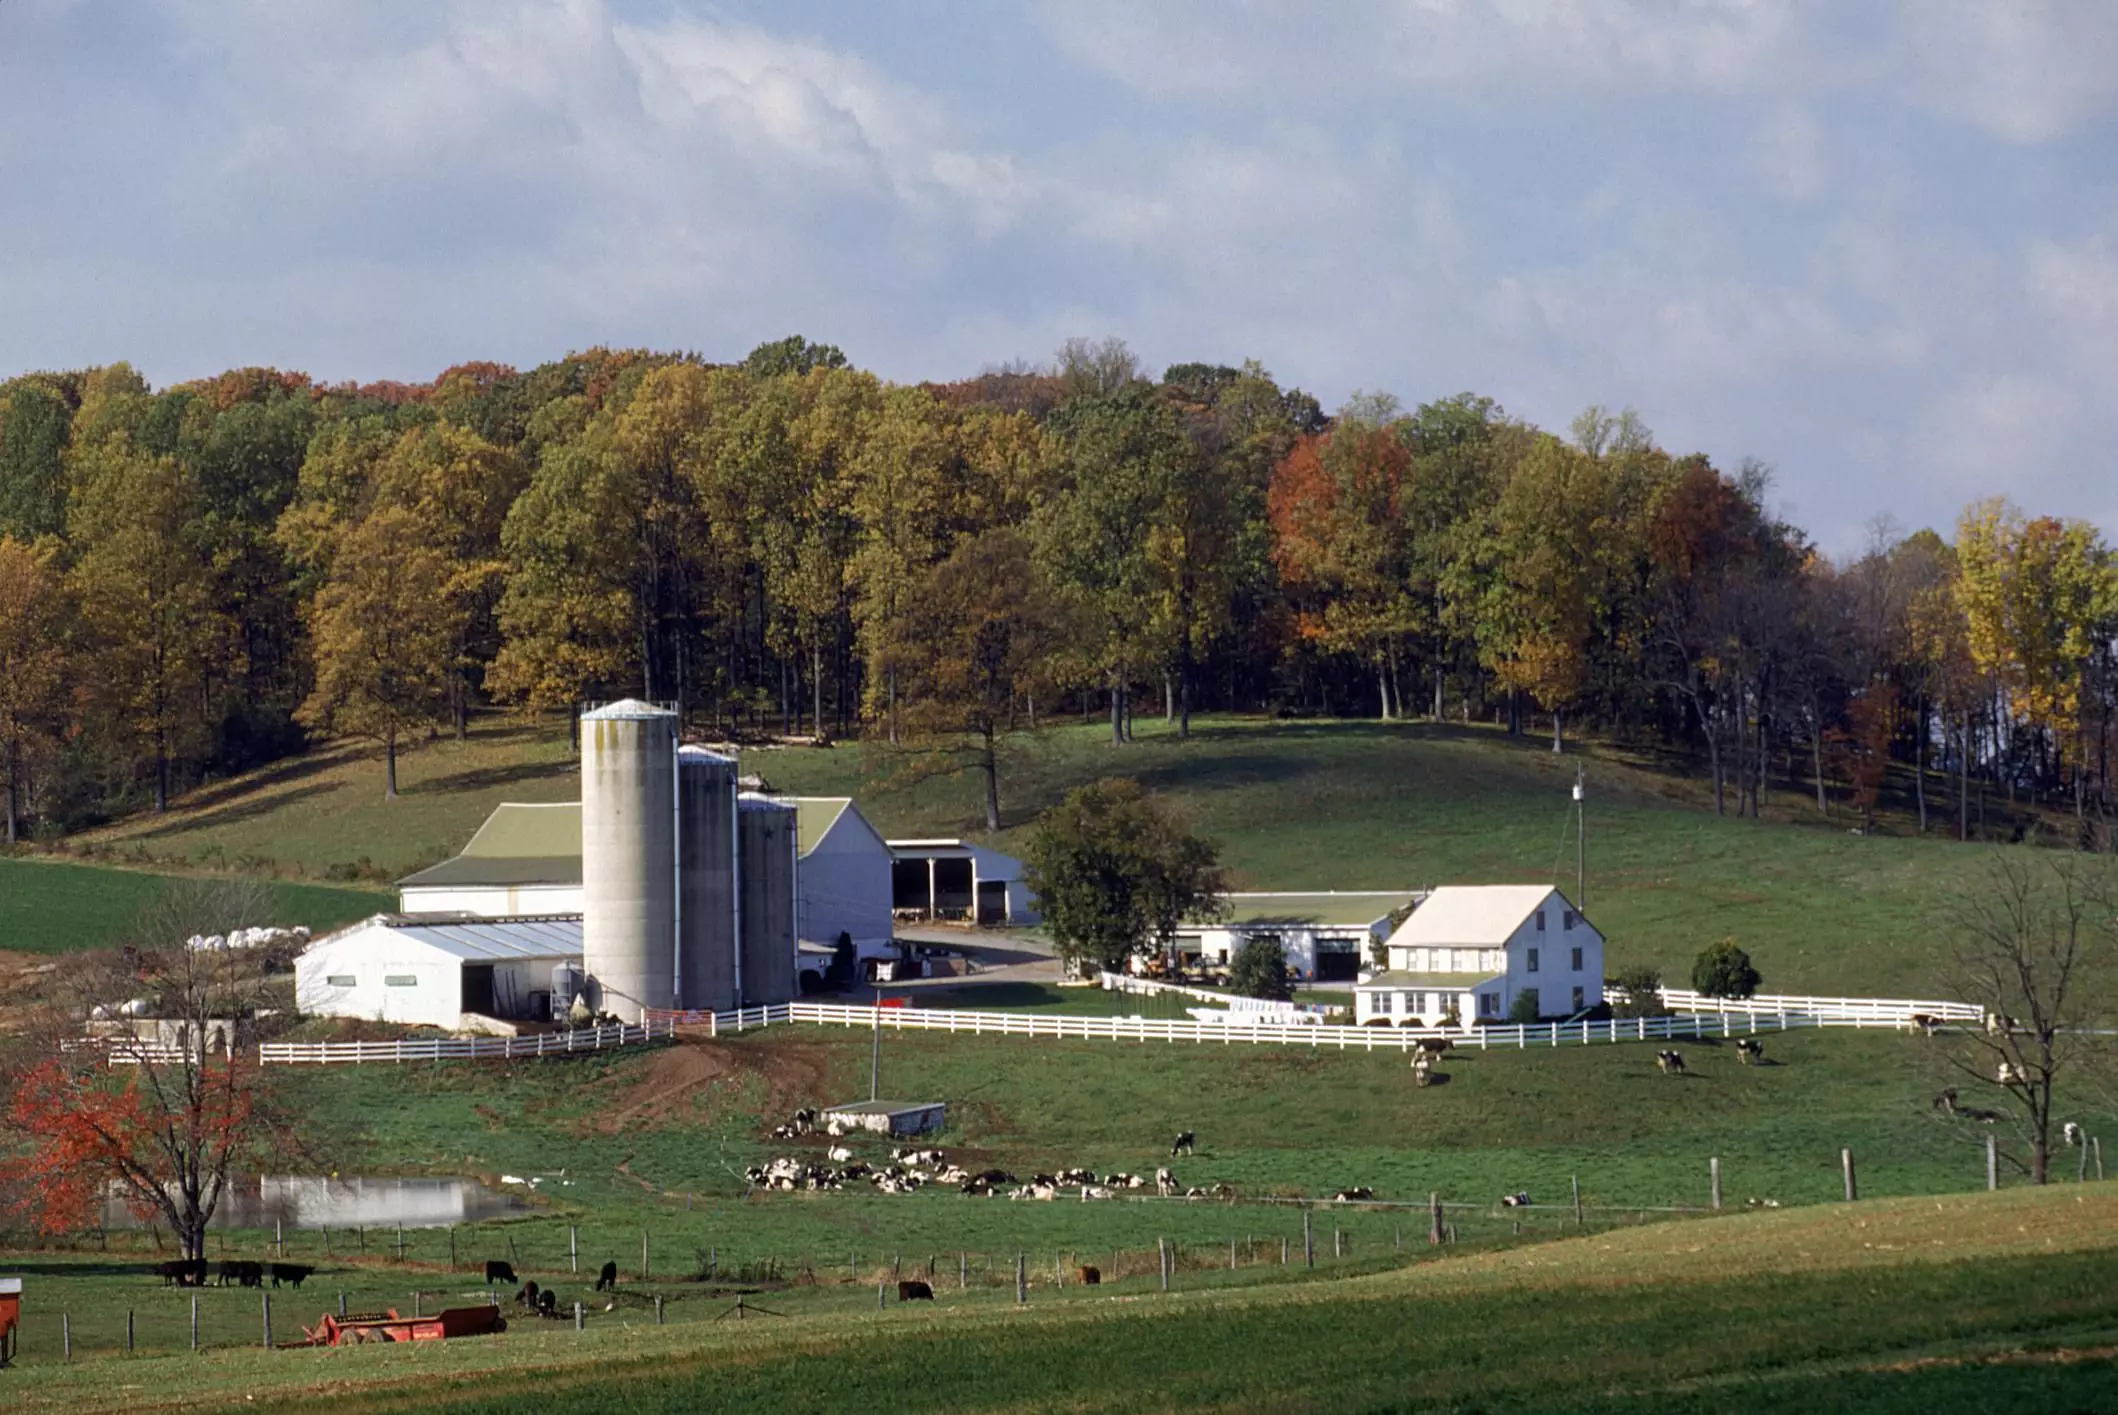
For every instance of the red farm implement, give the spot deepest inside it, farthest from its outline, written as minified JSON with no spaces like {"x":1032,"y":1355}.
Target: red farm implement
{"x":388,"y":1326}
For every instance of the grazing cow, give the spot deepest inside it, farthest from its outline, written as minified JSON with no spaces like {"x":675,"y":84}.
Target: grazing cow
{"x":1520,"y":1199}
{"x":1088,"y":1276}
{"x":548,"y":1303}
{"x":244,"y":1272}
{"x":1945,"y":1100}
{"x":838,"y":1154}
{"x":2007,"y":1074}
{"x":1165,"y":1182}
{"x":1422,"y":1069}
{"x":607,"y":1280}
{"x":182,"y":1272}
{"x":2071,"y":1133}
{"x":1077,"y":1176}
{"x":1182,"y":1144}
{"x":1749,"y":1050}
{"x":498,"y":1271}
{"x":231,"y":1270}
{"x":1358,"y":1194}
{"x":1754,"y":1202}
{"x":1925,"y":1023}
{"x":292,"y":1274}
{"x":1433,"y":1048}
{"x":1095,"y":1191}
{"x":911,"y":1289}
{"x":527,"y":1296}
{"x":1671,"y":1062}
{"x":994,"y":1176}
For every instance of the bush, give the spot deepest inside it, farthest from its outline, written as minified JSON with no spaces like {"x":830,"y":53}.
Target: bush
{"x":1724,"y":970}
{"x":1643,"y":992}
{"x":1525,"y":1007}
{"x":1259,"y":970}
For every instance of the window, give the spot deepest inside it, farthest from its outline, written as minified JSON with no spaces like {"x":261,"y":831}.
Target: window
{"x":1533,"y":961}
{"x":1577,"y":960}
{"x":1382,"y":1002}
{"x":342,"y":980}
{"x":1578,"y":996}
{"x":1540,"y":921}
{"x":400,"y":980}
{"x":1568,"y":921}
{"x":1489,"y":1004}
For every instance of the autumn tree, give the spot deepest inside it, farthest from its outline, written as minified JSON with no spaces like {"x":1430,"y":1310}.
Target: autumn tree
{"x":1115,"y":872}
{"x":33,"y":664}
{"x":188,"y":1109}
{"x":385,"y":629}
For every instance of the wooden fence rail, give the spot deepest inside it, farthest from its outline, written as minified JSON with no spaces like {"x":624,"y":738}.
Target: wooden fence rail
{"x":465,"y":1048}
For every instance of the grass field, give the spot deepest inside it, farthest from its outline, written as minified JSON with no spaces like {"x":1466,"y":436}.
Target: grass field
{"x":53,"y":907}
{"x":1294,"y":805}
{"x":1987,"y":1302}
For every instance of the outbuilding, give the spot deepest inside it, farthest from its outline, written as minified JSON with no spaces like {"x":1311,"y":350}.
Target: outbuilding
{"x":525,"y":859}
{"x":447,"y":971}
{"x":842,"y":879}
{"x":1326,"y":935}
{"x":1470,"y":951}
{"x":957,"y":880}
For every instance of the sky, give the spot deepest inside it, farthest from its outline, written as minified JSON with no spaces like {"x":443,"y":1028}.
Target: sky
{"x":1872,"y":244}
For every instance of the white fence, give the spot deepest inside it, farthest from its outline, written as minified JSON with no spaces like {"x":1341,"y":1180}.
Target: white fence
{"x":1837,"y":1009}
{"x":465,"y":1048}
{"x":1122,"y":982}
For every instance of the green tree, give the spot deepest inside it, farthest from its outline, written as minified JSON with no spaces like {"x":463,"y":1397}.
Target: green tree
{"x":1724,"y":970}
{"x":36,"y":420}
{"x":1259,"y":969}
{"x":33,"y":663}
{"x":1115,"y":872}
{"x":1642,"y":985}
{"x":385,"y":629}
{"x":1526,"y":1008}
{"x":793,"y":354}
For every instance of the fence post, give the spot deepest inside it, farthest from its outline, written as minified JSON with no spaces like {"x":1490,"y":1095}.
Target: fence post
{"x":2096,"y":1143}
{"x":400,"y":1242}
{"x":452,"y":1246}
{"x":66,"y":1335}
{"x":1434,"y":1233}
{"x":265,"y":1299}
{"x":1022,"y":1281}
{"x":1338,"y":1243}
{"x":341,"y":1306}
{"x":880,"y":1286}
{"x":1283,"y":1250}
{"x":128,"y":1331}
{"x":573,"y":1246}
{"x":1231,"y":1255}
{"x":1993,"y":1162}
{"x":1162,"y":1256}
{"x":963,"y":1271}
{"x":1577,"y":1200}
{"x":279,"y":1238}
{"x":580,"y":1318}
{"x":417,"y":1295}
{"x":658,"y":1309}
{"x":194,"y":1321}
{"x":1308,"y":1241}
{"x":1713,"y":1167}
{"x":643,"y":1255}
{"x":1846,"y":1164}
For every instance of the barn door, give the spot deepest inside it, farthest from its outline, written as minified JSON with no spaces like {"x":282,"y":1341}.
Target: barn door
{"x":992,"y":903}
{"x":478,"y":988}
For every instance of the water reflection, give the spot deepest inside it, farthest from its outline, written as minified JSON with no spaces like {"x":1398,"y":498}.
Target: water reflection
{"x":305,"y":1201}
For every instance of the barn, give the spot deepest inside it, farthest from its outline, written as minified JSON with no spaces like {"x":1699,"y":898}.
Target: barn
{"x":439,"y":970}
{"x":842,"y":883}
{"x":1327,"y":935}
{"x":957,"y":880}
{"x":1472,"y":950}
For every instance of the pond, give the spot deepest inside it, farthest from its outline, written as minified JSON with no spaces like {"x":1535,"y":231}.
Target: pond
{"x":347,"y":1201}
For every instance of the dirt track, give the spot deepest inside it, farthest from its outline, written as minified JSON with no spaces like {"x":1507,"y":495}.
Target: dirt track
{"x":669,"y":1090}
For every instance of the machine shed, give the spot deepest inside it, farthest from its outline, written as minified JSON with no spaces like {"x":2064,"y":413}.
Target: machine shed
{"x":956,"y":879}
{"x":430,"y":970}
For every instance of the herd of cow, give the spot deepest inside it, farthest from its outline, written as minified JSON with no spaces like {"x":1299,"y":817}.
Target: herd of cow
{"x":239,"y":1272}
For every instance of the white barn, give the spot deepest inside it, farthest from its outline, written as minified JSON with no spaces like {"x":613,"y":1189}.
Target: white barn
{"x":955,"y":879}
{"x":842,"y":877}
{"x":1472,"y":950}
{"x":437,"y":970}
{"x":1326,"y":935}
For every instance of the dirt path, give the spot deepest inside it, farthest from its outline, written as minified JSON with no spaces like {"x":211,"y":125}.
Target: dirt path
{"x":667,"y":1091}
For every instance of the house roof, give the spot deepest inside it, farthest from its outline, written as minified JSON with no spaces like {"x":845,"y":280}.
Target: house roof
{"x":1438,"y":982}
{"x":1475,"y":914}
{"x":1347,"y":909}
{"x":480,"y":940}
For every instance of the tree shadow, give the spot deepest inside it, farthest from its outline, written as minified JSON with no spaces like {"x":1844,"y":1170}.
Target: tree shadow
{"x":481,"y":778}
{"x":228,"y":815}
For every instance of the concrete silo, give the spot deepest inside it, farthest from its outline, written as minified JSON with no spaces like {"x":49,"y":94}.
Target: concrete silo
{"x":767,"y":844}
{"x":629,"y":857}
{"x":706,"y":829}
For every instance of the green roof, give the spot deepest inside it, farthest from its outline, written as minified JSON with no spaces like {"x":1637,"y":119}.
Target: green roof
{"x":518,"y":844}
{"x":1351,"y":909}
{"x":815,"y":815}
{"x":1438,"y":982}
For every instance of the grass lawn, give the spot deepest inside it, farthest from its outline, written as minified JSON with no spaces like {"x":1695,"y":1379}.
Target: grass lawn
{"x":1294,"y":805}
{"x":1986,"y":1301}
{"x":51,"y":907}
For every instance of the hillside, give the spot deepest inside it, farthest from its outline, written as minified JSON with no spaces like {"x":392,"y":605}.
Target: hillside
{"x":1294,"y":805}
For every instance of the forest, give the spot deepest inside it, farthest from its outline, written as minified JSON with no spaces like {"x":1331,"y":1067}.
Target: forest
{"x":202,"y":579}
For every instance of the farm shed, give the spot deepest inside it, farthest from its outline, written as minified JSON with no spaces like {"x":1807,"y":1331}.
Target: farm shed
{"x":843,"y":881}
{"x":954,"y":879}
{"x":1473,"y":949}
{"x":898,"y":1118}
{"x":525,"y":859}
{"x":1326,"y":936}
{"x":431,"y":970}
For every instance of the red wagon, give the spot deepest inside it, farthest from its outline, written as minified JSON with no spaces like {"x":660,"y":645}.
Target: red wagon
{"x":388,"y":1326}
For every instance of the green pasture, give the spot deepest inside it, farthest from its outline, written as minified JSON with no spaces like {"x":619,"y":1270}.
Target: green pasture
{"x":1985,"y":1301}
{"x":53,"y":907}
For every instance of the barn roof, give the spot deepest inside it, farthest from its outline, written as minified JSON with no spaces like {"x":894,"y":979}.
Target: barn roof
{"x":814,"y":817}
{"x":520,"y":843}
{"x":480,"y":940}
{"x":1328,"y":909}
{"x":1476,"y":914}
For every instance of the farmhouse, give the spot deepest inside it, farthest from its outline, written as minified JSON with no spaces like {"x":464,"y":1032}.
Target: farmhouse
{"x":954,"y":879}
{"x":1471,"y":950}
{"x":440,"y":971}
{"x":1327,"y":936}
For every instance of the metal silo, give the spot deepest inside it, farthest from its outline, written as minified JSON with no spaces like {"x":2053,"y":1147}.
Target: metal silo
{"x":628,"y":856}
{"x":767,"y":839}
{"x":706,"y":815}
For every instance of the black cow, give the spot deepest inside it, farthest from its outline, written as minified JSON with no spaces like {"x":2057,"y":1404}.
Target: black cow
{"x":498,"y":1271}
{"x":1182,"y":1144}
{"x":527,"y":1296}
{"x":244,"y":1272}
{"x":1088,"y":1276}
{"x":1358,"y":1194}
{"x":1749,"y":1050}
{"x":913,"y":1290}
{"x":607,"y":1280}
{"x":292,"y":1274}
{"x":548,"y":1304}
{"x":1671,"y":1062}
{"x":182,"y":1272}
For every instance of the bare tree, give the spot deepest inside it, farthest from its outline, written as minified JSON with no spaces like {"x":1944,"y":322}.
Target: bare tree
{"x":134,"y":1080}
{"x":2037,"y":943}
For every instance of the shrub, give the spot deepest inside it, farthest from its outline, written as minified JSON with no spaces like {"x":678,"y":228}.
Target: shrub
{"x":1643,"y":992}
{"x":1525,"y":1007}
{"x":1259,"y":970}
{"x":1724,"y":970}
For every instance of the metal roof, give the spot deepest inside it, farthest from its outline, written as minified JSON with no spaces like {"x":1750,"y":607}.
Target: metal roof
{"x":1348,"y":909}
{"x":1439,"y":982}
{"x":482,"y":940}
{"x":815,"y":815}
{"x":1458,"y":914}
{"x":519,"y":843}
{"x":627,"y":710}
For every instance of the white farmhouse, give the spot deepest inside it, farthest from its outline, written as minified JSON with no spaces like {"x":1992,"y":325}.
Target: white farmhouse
{"x":1326,"y":935}
{"x":1472,"y":950}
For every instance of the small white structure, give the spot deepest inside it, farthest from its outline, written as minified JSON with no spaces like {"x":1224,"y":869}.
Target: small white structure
{"x":437,"y":970}
{"x":1471,"y":950}
{"x":1326,"y":935}
{"x":525,"y":859}
{"x":898,"y":1118}
{"x":842,"y":878}
{"x":955,"y":879}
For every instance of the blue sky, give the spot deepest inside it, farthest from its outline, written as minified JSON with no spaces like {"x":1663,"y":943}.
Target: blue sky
{"x":1874,"y":245}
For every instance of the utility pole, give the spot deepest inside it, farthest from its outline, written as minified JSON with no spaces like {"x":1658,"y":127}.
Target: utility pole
{"x":1580,"y":840}
{"x":875,"y":1055}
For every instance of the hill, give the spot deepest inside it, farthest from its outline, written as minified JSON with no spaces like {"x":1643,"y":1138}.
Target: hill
{"x":1294,"y":805}
{"x":52,"y":907}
